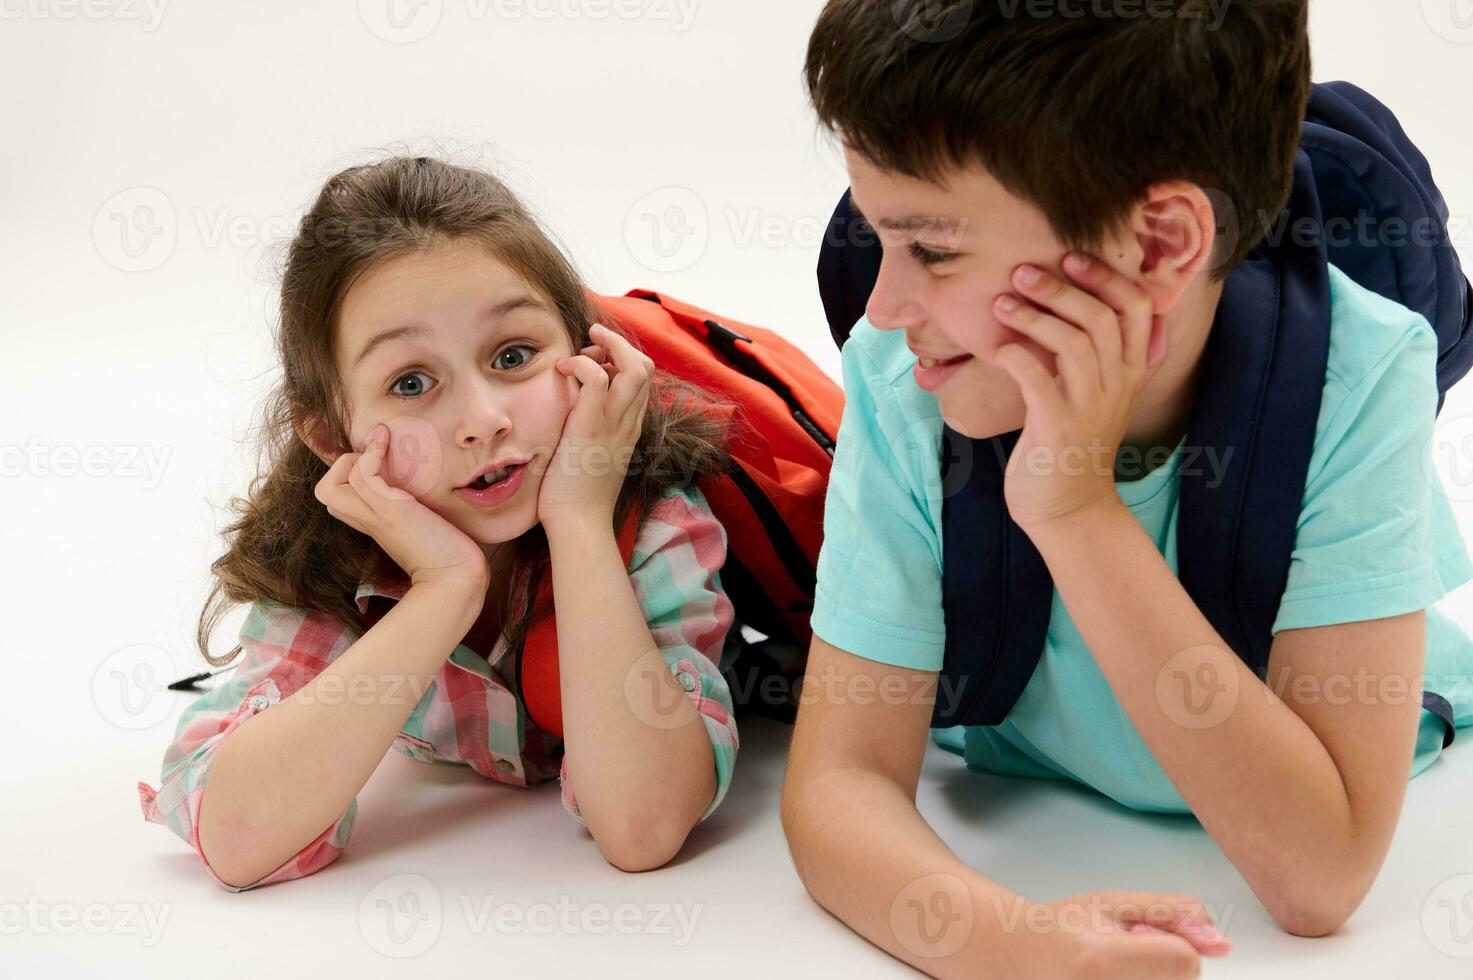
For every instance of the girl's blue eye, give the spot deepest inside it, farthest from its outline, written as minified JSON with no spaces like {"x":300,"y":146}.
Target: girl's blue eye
{"x":531,"y":352}
{"x":408,"y":395}
{"x":928,"y":257}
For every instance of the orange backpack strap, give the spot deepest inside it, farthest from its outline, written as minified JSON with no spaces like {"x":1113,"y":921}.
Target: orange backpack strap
{"x":537,"y":665}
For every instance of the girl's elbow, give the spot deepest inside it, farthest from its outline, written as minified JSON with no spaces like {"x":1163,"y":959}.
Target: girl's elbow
{"x":642,"y":846}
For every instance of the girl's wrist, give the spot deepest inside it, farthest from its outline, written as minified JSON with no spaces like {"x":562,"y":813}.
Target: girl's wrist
{"x":579,"y":530}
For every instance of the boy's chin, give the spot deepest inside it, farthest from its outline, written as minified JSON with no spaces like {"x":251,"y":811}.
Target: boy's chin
{"x":977,"y":418}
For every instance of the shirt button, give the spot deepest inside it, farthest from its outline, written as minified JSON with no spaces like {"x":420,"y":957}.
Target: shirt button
{"x":688,"y":682}
{"x":258,"y":702}
{"x":505,"y":765}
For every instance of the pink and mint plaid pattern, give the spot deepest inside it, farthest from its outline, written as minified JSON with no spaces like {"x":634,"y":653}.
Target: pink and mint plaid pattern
{"x":471,"y":713}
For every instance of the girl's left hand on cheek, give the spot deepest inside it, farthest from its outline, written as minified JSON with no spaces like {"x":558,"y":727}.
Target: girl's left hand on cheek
{"x":1107,"y":340}
{"x":596,"y":448}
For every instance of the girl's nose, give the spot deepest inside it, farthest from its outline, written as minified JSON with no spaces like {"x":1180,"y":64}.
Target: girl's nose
{"x":483,"y":416}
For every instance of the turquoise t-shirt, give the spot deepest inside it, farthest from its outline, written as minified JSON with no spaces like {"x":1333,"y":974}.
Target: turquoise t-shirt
{"x":1376,"y":537}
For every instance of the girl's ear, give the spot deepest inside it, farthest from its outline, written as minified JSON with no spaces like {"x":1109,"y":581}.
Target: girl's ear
{"x":312,"y":432}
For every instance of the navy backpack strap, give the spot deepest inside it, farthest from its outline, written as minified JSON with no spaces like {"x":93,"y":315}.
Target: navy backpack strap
{"x":1367,"y":168}
{"x":1439,"y":706}
{"x":997,"y":601}
{"x":848,"y":265}
{"x":1257,"y":406}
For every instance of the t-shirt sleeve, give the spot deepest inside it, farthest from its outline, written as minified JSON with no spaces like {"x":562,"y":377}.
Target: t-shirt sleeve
{"x":1376,"y":536}
{"x":282,"y":649}
{"x":878,"y":592}
{"x":675,"y":570}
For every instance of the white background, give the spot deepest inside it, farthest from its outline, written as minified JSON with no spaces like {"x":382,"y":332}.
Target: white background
{"x":225,"y":119}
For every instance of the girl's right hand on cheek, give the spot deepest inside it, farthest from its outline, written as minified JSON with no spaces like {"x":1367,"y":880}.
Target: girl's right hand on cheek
{"x":421,"y":542}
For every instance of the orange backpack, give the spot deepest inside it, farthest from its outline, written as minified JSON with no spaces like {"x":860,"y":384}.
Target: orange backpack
{"x":770,"y":501}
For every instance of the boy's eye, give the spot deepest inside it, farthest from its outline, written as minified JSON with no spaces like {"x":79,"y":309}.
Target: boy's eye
{"x":928,"y":257}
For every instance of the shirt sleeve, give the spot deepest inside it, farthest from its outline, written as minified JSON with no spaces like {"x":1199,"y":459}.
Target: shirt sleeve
{"x":878,"y":592}
{"x":282,"y":649}
{"x":1375,"y":536}
{"x":675,"y":572}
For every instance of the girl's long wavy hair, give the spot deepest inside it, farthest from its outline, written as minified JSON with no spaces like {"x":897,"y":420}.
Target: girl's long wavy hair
{"x":283,"y":545}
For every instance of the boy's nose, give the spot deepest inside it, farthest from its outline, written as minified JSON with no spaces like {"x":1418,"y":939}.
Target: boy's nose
{"x":891,"y":303}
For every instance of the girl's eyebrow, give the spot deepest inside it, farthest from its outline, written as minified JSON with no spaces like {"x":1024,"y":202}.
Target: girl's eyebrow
{"x":497,"y":312}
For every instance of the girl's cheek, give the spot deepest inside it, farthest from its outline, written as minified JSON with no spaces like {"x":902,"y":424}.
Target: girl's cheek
{"x":564,"y":395}
{"x":415,"y":460}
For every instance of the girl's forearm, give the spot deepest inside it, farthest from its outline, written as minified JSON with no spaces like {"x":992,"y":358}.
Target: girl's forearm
{"x":638,"y":755}
{"x":1258,"y":779}
{"x":288,"y":773}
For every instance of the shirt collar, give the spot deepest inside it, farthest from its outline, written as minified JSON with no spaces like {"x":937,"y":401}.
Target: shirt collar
{"x":387,"y":580}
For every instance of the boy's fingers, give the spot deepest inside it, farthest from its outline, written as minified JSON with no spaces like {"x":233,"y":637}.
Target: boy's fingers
{"x":1077,"y":306}
{"x":1160,"y":955}
{"x":1134,"y":306}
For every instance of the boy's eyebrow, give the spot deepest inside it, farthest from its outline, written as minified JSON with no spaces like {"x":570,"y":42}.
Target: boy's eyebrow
{"x":496,"y":312}
{"x":913,"y":222}
{"x":917,"y":222}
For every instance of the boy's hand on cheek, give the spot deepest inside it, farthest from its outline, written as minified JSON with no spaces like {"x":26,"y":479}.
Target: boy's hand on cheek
{"x":1107,"y":339}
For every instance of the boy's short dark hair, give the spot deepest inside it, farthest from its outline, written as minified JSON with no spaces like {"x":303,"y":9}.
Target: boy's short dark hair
{"x":1076,"y":105}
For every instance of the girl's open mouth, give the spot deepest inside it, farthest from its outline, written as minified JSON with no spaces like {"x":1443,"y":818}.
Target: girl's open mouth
{"x":492,"y":489}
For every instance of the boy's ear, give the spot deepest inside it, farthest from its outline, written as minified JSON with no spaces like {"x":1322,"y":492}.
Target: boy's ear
{"x":1175,"y":230}
{"x":313,"y":432}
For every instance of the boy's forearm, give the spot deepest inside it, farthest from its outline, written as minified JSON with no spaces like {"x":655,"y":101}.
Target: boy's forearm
{"x":638,"y":755}
{"x":865,"y":853}
{"x":1259,"y":779}
{"x":288,"y":773}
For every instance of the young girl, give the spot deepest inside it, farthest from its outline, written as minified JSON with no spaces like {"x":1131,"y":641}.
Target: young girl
{"x":453,"y":429}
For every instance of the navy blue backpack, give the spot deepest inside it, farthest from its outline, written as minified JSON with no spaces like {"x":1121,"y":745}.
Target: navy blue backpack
{"x":1260,"y":392}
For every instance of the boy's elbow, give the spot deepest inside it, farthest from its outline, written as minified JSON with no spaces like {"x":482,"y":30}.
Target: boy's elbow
{"x":1313,"y":916}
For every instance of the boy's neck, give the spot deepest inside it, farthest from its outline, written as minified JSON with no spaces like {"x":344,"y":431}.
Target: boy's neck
{"x":1164,"y":407}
